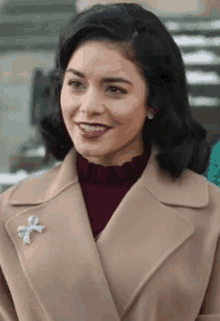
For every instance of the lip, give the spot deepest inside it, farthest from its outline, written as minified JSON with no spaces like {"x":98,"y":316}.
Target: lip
{"x":96,"y":124}
{"x":93,"y":134}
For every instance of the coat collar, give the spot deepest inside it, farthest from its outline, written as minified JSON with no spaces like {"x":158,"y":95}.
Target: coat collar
{"x":118,"y":265}
{"x":189,"y":190}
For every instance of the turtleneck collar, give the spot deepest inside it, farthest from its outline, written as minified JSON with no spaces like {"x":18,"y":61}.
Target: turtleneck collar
{"x":111,"y":175}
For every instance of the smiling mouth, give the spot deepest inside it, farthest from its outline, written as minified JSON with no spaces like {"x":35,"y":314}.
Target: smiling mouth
{"x":91,"y":131}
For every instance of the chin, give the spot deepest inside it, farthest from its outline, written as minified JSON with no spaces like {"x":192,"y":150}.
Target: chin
{"x":89,"y":146}
{"x":89,"y":152}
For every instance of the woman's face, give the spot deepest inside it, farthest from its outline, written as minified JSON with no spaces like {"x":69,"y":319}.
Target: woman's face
{"x":92,"y":97}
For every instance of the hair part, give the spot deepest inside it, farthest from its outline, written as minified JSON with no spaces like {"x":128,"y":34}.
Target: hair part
{"x":141,"y":38}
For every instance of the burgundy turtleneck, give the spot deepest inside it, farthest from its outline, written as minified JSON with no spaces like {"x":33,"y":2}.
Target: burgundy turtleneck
{"x":104,"y":187}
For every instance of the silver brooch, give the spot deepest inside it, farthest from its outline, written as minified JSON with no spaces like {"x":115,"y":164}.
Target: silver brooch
{"x":24,"y":231}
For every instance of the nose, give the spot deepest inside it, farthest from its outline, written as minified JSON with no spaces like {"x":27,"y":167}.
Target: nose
{"x":92,"y":102}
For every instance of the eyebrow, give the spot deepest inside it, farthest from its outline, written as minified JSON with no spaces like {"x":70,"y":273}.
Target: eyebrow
{"x":104,"y":80}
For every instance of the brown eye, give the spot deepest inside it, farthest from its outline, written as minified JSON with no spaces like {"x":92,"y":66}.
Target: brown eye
{"x":72,"y":83}
{"x":123,"y":91}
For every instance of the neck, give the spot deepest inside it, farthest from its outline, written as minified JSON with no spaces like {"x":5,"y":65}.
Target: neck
{"x":117,"y":161}
{"x":119,"y":157}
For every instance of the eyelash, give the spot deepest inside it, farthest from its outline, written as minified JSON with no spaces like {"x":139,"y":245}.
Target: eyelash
{"x":123,"y":91}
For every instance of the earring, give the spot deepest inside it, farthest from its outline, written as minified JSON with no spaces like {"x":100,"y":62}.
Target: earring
{"x":151,"y":117}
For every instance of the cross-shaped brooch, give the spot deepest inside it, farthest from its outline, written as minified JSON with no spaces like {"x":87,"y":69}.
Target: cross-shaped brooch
{"x":24,"y":231}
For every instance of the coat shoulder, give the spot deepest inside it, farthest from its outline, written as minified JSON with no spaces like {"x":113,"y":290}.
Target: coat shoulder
{"x":27,"y":184}
{"x":213,"y":196}
{"x":213,"y":189}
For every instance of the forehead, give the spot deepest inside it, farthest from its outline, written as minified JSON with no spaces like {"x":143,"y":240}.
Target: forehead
{"x":99,"y":40}
{"x":103,"y":49}
{"x":103,"y":56}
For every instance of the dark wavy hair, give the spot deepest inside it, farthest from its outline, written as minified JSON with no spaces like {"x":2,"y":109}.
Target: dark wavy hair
{"x":144,"y":40}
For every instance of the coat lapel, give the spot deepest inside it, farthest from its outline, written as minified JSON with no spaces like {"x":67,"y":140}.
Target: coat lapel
{"x":62,"y":264}
{"x":104,"y":276}
{"x":144,"y":230}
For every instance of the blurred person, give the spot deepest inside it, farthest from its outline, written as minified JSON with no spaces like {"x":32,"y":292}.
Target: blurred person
{"x":126,"y":227}
{"x":210,"y":8}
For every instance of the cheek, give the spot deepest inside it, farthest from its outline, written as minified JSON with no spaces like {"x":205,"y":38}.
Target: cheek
{"x":122,"y":112}
{"x":130,"y":113}
{"x":66,"y":104}
{"x":64,"y":97}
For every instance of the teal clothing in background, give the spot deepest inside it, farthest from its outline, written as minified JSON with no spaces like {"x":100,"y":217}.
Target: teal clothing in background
{"x":213,"y":171}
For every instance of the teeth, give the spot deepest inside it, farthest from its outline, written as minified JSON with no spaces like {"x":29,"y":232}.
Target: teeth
{"x":92,"y":128}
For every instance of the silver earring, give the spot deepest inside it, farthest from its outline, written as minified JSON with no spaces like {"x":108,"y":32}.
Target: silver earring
{"x":151,"y":117}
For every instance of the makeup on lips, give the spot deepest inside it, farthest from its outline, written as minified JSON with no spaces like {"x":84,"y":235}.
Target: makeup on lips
{"x":93,"y":130}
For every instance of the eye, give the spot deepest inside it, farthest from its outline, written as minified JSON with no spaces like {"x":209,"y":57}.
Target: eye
{"x":72,"y":84}
{"x":123,"y":91}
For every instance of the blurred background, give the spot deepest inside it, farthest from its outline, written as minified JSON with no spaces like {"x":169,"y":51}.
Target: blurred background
{"x":29,"y":32}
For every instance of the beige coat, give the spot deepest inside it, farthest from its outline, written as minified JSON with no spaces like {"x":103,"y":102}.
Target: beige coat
{"x":153,"y":261}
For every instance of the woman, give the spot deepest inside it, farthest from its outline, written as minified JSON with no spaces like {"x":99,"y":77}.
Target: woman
{"x":126,"y":228}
